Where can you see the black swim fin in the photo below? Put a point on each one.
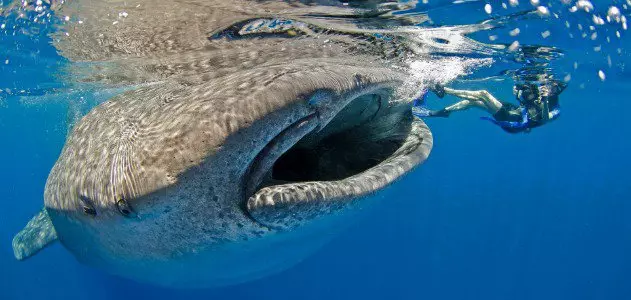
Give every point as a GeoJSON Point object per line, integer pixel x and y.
{"type": "Point", "coordinates": [443, 113]}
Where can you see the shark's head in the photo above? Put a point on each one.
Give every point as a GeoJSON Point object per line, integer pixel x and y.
{"type": "Point", "coordinates": [243, 130]}
{"type": "Point", "coordinates": [164, 173]}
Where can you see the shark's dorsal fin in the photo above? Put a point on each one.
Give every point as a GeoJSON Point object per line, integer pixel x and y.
{"type": "Point", "coordinates": [38, 233]}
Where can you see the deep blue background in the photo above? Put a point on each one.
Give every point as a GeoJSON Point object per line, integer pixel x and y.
{"type": "Point", "coordinates": [545, 215]}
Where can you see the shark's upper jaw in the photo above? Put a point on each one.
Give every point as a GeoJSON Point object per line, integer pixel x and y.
{"type": "Point", "coordinates": [347, 152]}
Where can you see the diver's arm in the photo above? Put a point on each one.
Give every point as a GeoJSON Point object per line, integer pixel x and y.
{"type": "Point", "coordinates": [464, 105]}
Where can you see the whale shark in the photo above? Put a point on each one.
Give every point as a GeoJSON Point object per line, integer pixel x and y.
{"type": "Point", "coordinates": [254, 131]}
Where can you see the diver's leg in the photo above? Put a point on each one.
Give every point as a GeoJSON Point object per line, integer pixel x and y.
{"type": "Point", "coordinates": [480, 99]}
{"type": "Point", "coordinates": [462, 105]}
{"type": "Point", "coordinates": [491, 104]}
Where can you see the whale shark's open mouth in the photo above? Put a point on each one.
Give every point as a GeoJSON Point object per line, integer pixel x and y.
{"type": "Point", "coordinates": [367, 145]}
{"type": "Point", "coordinates": [354, 141]}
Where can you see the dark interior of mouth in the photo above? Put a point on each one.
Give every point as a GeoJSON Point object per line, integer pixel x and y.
{"type": "Point", "coordinates": [365, 133]}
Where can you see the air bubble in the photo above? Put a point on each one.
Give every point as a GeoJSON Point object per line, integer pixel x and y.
{"type": "Point", "coordinates": [614, 14]}
{"type": "Point", "coordinates": [601, 74]}
{"type": "Point", "coordinates": [598, 20]}
{"type": "Point", "coordinates": [585, 5]}
{"type": "Point", "coordinates": [488, 8]}
{"type": "Point", "coordinates": [567, 78]}
{"type": "Point", "coordinates": [543, 11]}
{"type": "Point", "coordinates": [514, 46]}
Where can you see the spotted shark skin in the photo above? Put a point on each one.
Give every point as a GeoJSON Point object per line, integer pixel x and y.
{"type": "Point", "coordinates": [155, 184]}
{"type": "Point", "coordinates": [38, 233]}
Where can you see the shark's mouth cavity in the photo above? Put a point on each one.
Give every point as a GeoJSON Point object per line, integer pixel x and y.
{"type": "Point", "coordinates": [367, 145]}
{"type": "Point", "coordinates": [351, 143]}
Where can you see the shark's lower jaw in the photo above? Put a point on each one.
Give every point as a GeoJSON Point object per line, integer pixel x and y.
{"type": "Point", "coordinates": [367, 145]}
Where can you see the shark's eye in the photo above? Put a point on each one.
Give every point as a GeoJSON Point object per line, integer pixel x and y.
{"type": "Point", "coordinates": [88, 205]}
{"type": "Point", "coordinates": [125, 209]}
{"type": "Point", "coordinates": [89, 210]}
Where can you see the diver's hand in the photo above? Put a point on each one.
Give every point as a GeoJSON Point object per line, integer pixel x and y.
{"type": "Point", "coordinates": [439, 90]}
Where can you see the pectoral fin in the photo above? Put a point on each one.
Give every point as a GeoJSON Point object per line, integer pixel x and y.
{"type": "Point", "coordinates": [38, 233]}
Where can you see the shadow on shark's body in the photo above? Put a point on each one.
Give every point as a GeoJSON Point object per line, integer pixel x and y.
{"type": "Point", "coordinates": [257, 130]}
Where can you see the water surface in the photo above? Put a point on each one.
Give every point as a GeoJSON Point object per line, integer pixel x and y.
{"type": "Point", "coordinates": [543, 215]}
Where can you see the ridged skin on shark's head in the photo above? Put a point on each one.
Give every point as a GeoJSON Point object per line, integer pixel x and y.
{"type": "Point", "coordinates": [255, 127]}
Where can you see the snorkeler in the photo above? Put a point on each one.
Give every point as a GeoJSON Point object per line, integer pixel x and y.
{"type": "Point", "coordinates": [538, 104]}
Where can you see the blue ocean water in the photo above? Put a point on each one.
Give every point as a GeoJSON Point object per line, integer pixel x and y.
{"type": "Point", "coordinates": [544, 215]}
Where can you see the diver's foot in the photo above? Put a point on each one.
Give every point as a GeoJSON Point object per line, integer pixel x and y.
{"type": "Point", "coordinates": [443, 113]}
{"type": "Point", "coordinates": [439, 90]}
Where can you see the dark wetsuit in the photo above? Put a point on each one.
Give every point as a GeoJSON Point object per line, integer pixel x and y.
{"type": "Point", "coordinates": [508, 113]}
{"type": "Point", "coordinates": [515, 119]}
{"type": "Point", "coordinates": [536, 107]}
